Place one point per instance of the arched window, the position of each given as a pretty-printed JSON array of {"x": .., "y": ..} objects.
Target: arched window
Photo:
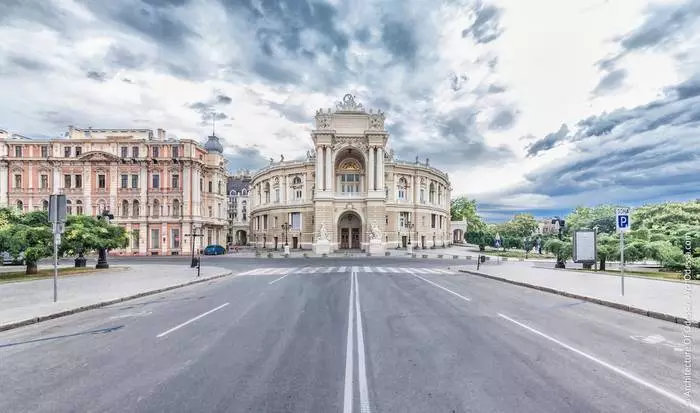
[
  {"x": 267, "y": 192},
  {"x": 176, "y": 208},
  {"x": 439, "y": 195},
  {"x": 135, "y": 210},
  {"x": 431, "y": 194},
  {"x": 402, "y": 188},
  {"x": 244, "y": 192},
  {"x": 244, "y": 209},
  {"x": 69, "y": 207},
  {"x": 296, "y": 181},
  {"x": 211, "y": 186},
  {"x": 79, "y": 207},
  {"x": 20, "y": 206},
  {"x": 156, "y": 208},
  {"x": 125, "y": 208},
  {"x": 45, "y": 205},
  {"x": 349, "y": 176}
]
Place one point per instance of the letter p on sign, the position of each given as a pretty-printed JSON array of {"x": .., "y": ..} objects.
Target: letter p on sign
[{"x": 622, "y": 221}]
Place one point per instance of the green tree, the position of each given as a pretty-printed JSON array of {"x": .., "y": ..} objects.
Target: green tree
[
  {"x": 29, "y": 234},
  {"x": 562, "y": 249},
  {"x": 85, "y": 233},
  {"x": 522, "y": 226},
  {"x": 608, "y": 248},
  {"x": 463, "y": 208},
  {"x": 601, "y": 216}
]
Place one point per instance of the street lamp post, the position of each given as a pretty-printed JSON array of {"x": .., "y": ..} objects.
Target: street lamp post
[
  {"x": 102, "y": 252},
  {"x": 285, "y": 227},
  {"x": 560, "y": 259},
  {"x": 193, "y": 236}
]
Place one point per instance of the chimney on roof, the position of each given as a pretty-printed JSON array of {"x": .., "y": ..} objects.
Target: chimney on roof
[{"x": 161, "y": 134}]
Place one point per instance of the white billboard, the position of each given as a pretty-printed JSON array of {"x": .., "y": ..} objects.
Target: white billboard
[{"x": 584, "y": 248}]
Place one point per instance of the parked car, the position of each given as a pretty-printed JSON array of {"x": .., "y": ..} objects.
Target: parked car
[
  {"x": 214, "y": 250},
  {"x": 8, "y": 259}
]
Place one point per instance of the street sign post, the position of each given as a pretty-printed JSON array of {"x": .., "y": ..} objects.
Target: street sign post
[
  {"x": 622, "y": 223},
  {"x": 57, "y": 217}
]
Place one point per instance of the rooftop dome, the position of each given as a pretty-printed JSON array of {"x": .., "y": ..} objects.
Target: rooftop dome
[{"x": 213, "y": 145}]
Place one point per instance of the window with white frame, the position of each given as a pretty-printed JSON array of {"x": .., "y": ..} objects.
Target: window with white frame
[
  {"x": 402, "y": 189},
  {"x": 296, "y": 220}
]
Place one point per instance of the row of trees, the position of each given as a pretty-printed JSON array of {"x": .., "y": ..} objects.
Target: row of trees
[
  {"x": 659, "y": 232},
  {"x": 30, "y": 235}
]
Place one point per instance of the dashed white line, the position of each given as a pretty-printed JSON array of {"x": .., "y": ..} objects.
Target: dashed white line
[
  {"x": 349, "y": 350},
  {"x": 443, "y": 288},
  {"x": 341, "y": 269},
  {"x": 381, "y": 269},
  {"x": 279, "y": 279},
  {"x": 192, "y": 320},
  {"x": 609, "y": 366},
  {"x": 361, "y": 368}
]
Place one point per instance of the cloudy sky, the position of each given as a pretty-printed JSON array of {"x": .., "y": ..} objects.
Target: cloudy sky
[{"x": 537, "y": 105}]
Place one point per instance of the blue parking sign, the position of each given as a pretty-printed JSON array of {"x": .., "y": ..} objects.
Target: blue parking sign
[{"x": 622, "y": 221}]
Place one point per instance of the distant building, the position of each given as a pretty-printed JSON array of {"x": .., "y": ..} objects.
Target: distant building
[
  {"x": 159, "y": 189},
  {"x": 350, "y": 188},
  {"x": 238, "y": 188},
  {"x": 545, "y": 227}
]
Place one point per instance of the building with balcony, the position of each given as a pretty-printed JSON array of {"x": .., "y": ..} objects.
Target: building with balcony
[
  {"x": 349, "y": 184},
  {"x": 238, "y": 188},
  {"x": 159, "y": 189}
]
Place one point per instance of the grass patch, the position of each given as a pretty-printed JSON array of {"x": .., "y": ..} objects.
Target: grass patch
[
  {"x": 16, "y": 276},
  {"x": 516, "y": 254},
  {"x": 664, "y": 275}
]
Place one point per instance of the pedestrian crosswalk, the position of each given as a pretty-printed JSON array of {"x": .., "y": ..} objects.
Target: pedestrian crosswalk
[{"x": 344, "y": 269}]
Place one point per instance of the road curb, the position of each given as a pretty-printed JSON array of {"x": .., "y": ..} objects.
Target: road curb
[
  {"x": 611, "y": 304},
  {"x": 64, "y": 313}
]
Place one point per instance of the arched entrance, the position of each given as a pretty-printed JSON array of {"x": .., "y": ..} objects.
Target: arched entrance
[
  {"x": 349, "y": 230},
  {"x": 241, "y": 237},
  {"x": 458, "y": 236}
]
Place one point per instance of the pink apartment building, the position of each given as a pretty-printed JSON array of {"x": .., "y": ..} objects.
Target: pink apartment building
[{"x": 159, "y": 189}]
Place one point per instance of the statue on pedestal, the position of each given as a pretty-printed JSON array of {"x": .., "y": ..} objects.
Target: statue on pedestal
[
  {"x": 323, "y": 233},
  {"x": 376, "y": 233}
]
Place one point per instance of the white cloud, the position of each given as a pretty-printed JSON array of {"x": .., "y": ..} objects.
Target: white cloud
[{"x": 430, "y": 68}]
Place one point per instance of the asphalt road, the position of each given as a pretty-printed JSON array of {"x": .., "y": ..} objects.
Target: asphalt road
[{"x": 312, "y": 336}]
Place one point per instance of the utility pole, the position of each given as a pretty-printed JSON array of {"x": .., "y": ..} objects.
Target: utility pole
[{"x": 193, "y": 236}]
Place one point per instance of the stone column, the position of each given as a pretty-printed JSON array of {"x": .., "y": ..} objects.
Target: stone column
[
  {"x": 4, "y": 186},
  {"x": 416, "y": 184},
  {"x": 370, "y": 170},
  {"x": 329, "y": 169},
  {"x": 380, "y": 169},
  {"x": 320, "y": 151}
]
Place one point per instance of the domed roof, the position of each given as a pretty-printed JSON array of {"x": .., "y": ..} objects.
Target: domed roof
[{"x": 213, "y": 145}]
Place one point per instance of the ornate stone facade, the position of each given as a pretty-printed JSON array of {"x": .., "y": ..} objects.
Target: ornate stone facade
[
  {"x": 348, "y": 185},
  {"x": 159, "y": 189}
]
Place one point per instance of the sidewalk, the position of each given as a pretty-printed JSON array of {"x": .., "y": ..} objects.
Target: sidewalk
[
  {"x": 29, "y": 302},
  {"x": 661, "y": 299}
]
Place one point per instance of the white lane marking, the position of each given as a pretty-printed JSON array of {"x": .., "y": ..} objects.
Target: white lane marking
[
  {"x": 429, "y": 271},
  {"x": 355, "y": 269},
  {"x": 617, "y": 370},
  {"x": 267, "y": 271},
  {"x": 406, "y": 270},
  {"x": 394, "y": 270},
  {"x": 329, "y": 270},
  {"x": 361, "y": 368},
  {"x": 349, "y": 350},
  {"x": 279, "y": 279},
  {"x": 367, "y": 269},
  {"x": 278, "y": 271},
  {"x": 443, "y": 271},
  {"x": 443, "y": 288},
  {"x": 381, "y": 269},
  {"x": 192, "y": 320},
  {"x": 248, "y": 272},
  {"x": 341, "y": 269}
]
